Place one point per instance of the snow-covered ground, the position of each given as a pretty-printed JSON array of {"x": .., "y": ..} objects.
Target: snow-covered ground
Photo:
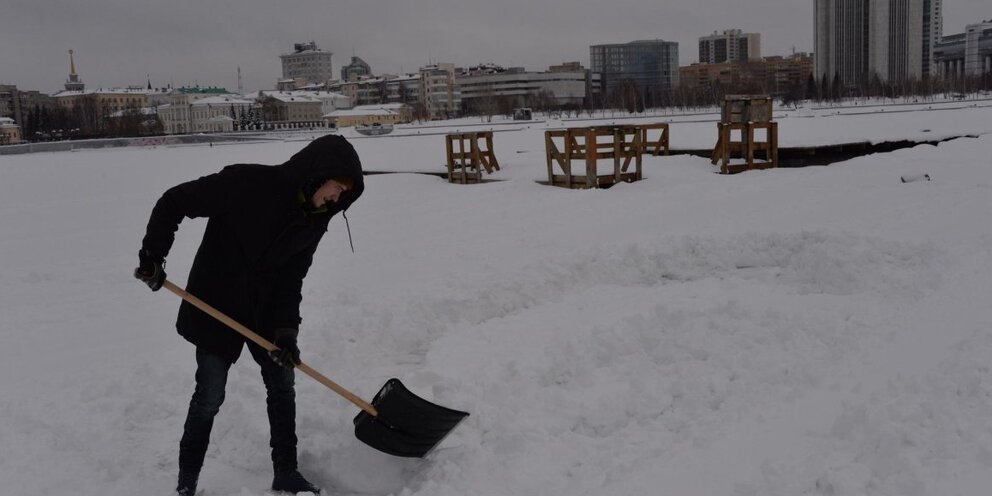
[{"x": 816, "y": 331}]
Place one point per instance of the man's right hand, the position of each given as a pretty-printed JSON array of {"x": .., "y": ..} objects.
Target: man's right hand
[{"x": 151, "y": 270}]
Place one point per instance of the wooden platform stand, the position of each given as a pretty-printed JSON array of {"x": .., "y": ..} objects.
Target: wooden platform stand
[
  {"x": 728, "y": 148},
  {"x": 743, "y": 115},
  {"x": 468, "y": 157},
  {"x": 622, "y": 144}
]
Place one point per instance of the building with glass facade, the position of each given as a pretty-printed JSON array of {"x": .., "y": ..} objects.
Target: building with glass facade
[
  {"x": 859, "y": 39},
  {"x": 652, "y": 65}
]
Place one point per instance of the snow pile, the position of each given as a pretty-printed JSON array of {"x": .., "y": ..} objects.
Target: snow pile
[{"x": 819, "y": 331}]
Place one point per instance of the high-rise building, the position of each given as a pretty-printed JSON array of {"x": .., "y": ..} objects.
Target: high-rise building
[
  {"x": 440, "y": 97},
  {"x": 933, "y": 31},
  {"x": 653, "y": 65},
  {"x": 731, "y": 46},
  {"x": 358, "y": 68},
  {"x": 859, "y": 39},
  {"x": 307, "y": 63}
]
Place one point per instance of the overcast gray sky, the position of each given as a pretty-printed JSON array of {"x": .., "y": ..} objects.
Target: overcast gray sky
[{"x": 184, "y": 42}]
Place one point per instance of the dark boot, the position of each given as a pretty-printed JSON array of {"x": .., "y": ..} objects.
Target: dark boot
[
  {"x": 187, "y": 483},
  {"x": 292, "y": 481}
]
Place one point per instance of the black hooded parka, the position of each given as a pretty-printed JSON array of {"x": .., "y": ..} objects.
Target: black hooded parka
[{"x": 261, "y": 234}]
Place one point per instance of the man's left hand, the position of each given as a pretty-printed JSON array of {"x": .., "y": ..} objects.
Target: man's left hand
[{"x": 288, "y": 354}]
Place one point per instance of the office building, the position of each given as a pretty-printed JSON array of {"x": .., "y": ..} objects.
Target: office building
[
  {"x": 965, "y": 54},
  {"x": 731, "y": 46},
  {"x": 438, "y": 94},
  {"x": 307, "y": 63},
  {"x": 652, "y": 65},
  {"x": 933, "y": 31},
  {"x": 356, "y": 70},
  {"x": 484, "y": 90},
  {"x": 859, "y": 39},
  {"x": 775, "y": 75}
]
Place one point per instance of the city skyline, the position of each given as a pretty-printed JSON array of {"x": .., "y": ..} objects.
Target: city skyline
[{"x": 182, "y": 43}]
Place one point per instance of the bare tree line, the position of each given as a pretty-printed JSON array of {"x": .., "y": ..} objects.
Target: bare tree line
[{"x": 87, "y": 119}]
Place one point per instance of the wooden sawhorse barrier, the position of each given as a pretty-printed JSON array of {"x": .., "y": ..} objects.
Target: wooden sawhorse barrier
[
  {"x": 743, "y": 115},
  {"x": 654, "y": 147},
  {"x": 622, "y": 144},
  {"x": 468, "y": 157},
  {"x": 728, "y": 148}
]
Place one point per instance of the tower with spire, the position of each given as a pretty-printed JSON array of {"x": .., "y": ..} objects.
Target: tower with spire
[{"x": 73, "y": 83}]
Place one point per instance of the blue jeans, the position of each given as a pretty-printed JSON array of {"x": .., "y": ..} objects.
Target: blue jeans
[{"x": 211, "y": 379}]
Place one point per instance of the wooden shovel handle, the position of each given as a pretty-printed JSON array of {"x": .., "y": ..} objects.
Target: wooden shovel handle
[{"x": 259, "y": 340}]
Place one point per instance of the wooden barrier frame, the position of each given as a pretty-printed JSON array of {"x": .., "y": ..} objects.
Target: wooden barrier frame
[
  {"x": 745, "y": 148},
  {"x": 654, "y": 147},
  {"x": 470, "y": 157},
  {"x": 746, "y": 114},
  {"x": 623, "y": 144}
]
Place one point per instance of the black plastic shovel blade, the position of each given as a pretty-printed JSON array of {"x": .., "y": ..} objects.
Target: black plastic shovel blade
[{"x": 407, "y": 425}]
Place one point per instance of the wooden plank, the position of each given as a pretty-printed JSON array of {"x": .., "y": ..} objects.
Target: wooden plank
[
  {"x": 748, "y": 146},
  {"x": 591, "y": 158},
  {"x": 725, "y": 137},
  {"x": 618, "y": 139},
  {"x": 717, "y": 154},
  {"x": 550, "y": 152},
  {"x": 451, "y": 163},
  {"x": 773, "y": 143}
]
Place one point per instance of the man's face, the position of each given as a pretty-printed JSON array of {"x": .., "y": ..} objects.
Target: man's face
[{"x": 329, "y": 192}]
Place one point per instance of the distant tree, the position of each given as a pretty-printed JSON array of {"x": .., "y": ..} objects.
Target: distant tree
[
  {"x": 255, "y": 119},
  {"x": 383, "y": 91},
  {"x": 836, "y": 88},
  {"x": 811, "y": 90},
  {"x": 420, "y": 111},
  {"x": 626, "y": 95},
  {"x": 31, "y": 124},
  {"x": 485, "y": 105},
  {"x": 793, "y": 95},
  {"x": 874, "y": 86},
  {"x": 505, "y": 105},
  {"x": 545, "y": 101},
  {"x": 403, "y": 93}
]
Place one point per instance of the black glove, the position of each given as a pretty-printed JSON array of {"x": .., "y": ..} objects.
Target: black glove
[
  {"x": 151, "y": 270},
  {"x": 288, "y": 354}
]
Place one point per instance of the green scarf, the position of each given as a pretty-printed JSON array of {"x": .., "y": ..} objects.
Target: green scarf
[{"x": 308, "y": 205}]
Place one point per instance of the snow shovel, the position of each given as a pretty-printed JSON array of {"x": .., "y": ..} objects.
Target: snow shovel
[{"x": 397, "y": 421}]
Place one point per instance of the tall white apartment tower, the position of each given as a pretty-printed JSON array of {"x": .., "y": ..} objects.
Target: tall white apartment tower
[
  {"x": 307, "y": 62},
  {"x": 732, "y": 45},
  {"x": 860, "y": 38},
  {"x": 933, "y": 31}
]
